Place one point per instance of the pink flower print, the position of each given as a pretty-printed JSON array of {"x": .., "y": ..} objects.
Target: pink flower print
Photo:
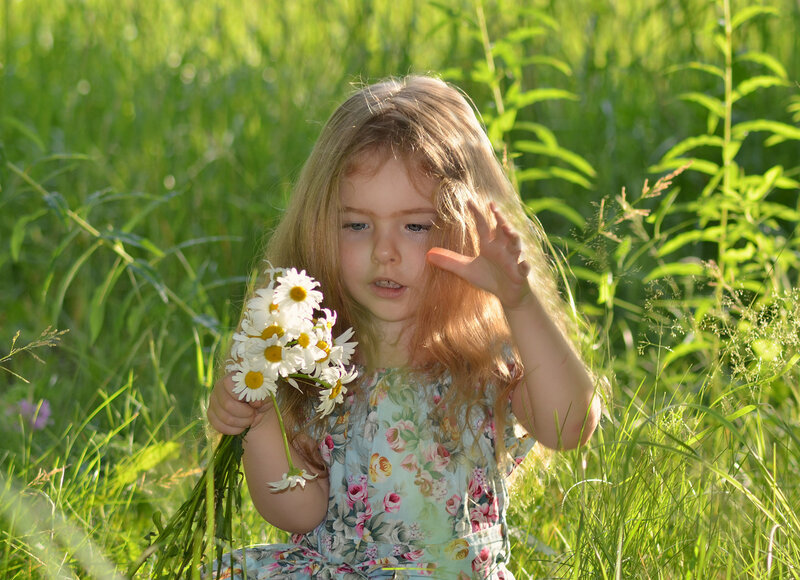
[
  {"x": 484, "y": 515},
  {"x": 326, "y": 448},
  {"x": 357, "y": 491},
  {"x": 391, "y": 502},
  {"x": 438, "y": 456},
  {"x": 361, "y": 520},
  {"x": 424, "y": 481},
  {"x": 482, "y": 561},
  {"x": 409, "y": 463},
  {"x": 394, "y": 435},
  {"x": 414, "y": 556},
  {"x": 476, "y": 484},
  {"x": 453, "y": 505}
]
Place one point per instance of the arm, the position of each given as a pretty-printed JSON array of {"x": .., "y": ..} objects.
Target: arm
[
  {"x": 298, "y": 510},
  {"x": 556, "y": 400}
]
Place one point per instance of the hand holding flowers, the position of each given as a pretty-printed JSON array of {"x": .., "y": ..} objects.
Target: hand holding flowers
[{"x": 284, "y": 338}]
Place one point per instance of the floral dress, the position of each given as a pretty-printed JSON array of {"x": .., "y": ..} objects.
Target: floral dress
[{"x": 412, "y": 494}]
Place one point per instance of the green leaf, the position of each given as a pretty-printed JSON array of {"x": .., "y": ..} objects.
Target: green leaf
[
  {"x": 528, "y": 98},
  {"x": 134, "y": 240},
  {"x": 501, "y": 125},
  {"x": 26, "y": 131},
  {"x": 56, "y": 305},
  {"x": 18, "y": 233},
  {"x": 766, "y": 184},
  {"x": 569, "y": 157},
  {"x": 519, "y": 35},
  {"x": 587, "y": 274},
  {"x": 56, "y": 202},
  {"x": 691, "y": 143},
  {"x": 684, "y": 349},
  {"x": 753, "y": 84},
  {"x": 146, "y": 459},
  {"x": 690, "y": 237},
  {"x": 571, "y": 176},
  {"x": 544, "y": 134},
  {"x": 679, "y": 269},
  {"x": 742, "y": 130},
  {"x": 97, "y": 305},
  {"x": 750, "y": 12},
  {"x": 555, "y": 63},
  {"x": 739, "y": 255},
  {"x": 557, "y": 206},
  {"x": 149, "y": 273},
  {"x": 730, "y": 150},
  {"x": 766, "y": 60},
  {"x": 712, "y": 104},
  {"x": 699, "y": 165},
  {"x": 698, "y": 66}
]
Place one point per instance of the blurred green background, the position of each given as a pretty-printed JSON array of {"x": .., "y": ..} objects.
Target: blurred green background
[{"x": 146, "y": 147}]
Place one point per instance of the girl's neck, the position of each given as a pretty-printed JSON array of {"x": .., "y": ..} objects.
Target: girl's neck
[{"x": 391, "y": 351}]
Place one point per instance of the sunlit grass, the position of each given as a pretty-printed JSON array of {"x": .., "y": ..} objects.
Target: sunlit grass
[{"x": 145, "y": 147}]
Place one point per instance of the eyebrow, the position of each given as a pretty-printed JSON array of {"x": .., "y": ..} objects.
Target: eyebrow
[{"x": 412, "y": 211}]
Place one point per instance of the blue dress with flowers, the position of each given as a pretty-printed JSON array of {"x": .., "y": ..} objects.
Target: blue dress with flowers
[{"x": 412, "y": 494}]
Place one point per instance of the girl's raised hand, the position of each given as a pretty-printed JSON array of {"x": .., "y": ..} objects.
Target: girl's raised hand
[
  {"x": 498, "y": 268},
  {"x": 227, "y": 414}
]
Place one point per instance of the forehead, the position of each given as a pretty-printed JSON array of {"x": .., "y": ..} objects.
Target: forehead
[{"x": 387, "y": 183}]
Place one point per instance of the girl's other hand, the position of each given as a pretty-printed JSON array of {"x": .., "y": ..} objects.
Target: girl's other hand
[
  {"x": 498, "y": 268},
  {"x": 227, "y": 414}
]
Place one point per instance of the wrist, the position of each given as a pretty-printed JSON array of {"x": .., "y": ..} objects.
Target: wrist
[{"x": 524, "y": 302}]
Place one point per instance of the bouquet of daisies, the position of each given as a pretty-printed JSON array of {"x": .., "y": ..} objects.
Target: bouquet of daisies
[{"x": 284, "y": 339}]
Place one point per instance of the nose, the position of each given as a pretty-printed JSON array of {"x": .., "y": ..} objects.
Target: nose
[{"x": 385, "y": 250}]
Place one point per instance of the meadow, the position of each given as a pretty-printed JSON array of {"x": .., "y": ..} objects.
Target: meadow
[{"x": 146, "y": 148}]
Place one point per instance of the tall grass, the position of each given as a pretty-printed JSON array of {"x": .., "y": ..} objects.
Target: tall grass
[{"x": 146, "y": 146}]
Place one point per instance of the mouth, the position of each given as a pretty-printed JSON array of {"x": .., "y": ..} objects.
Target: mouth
[
  {"x": 387, "y": 284},
  {"x": 388, "y": 289}
]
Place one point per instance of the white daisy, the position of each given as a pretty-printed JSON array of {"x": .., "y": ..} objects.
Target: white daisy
[
  {"x": 273, "y": 355},
  {"x": 305, "y": 346},
  {"x": 295, "y": 294},
  {"x": 337, "y": 351},
  {"x": 251, "y": 383},
  {"x": 290, "y": 480},
  {"x": 336, "y": 377}
]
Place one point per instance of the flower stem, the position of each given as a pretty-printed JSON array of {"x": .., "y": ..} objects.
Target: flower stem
[{"x": 283, "y": 433}]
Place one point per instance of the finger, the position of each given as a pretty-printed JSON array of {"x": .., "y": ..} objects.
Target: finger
[
  {"x": 449, "y": 260},
  {"x": 227, "y": 402},
  {"x": 485, "y": 230},
  {"x": 226, "y": 424}
]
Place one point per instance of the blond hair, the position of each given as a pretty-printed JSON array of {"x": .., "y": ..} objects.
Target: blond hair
[{"x": 430, "y": 125}]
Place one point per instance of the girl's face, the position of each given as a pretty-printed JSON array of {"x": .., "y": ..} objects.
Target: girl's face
[{"x": 385, "y": 227}]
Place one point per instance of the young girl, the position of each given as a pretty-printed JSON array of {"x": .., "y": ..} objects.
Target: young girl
[{"x": 406, "y": 218}]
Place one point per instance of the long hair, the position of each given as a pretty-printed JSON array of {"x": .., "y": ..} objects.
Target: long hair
[{"x": 458, "y": 328}]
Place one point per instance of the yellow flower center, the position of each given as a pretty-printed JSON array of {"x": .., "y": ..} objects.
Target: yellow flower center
[
  {"x": 298, "y": 293},
  {"x": 304, "y": 340},
  {"x": 322, "y": 345},
  {"x": 273, "y": 307},
  {"x": 274, "y": 353},
  {"x": 272, "y": 330},
  {"x": 253, "y": 380},
  {"x": 335, "y": 390}
]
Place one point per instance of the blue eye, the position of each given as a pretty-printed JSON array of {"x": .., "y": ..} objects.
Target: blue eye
[
  {"x": 354, "y": 226},
  {"x": 418, "y": 227}
]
